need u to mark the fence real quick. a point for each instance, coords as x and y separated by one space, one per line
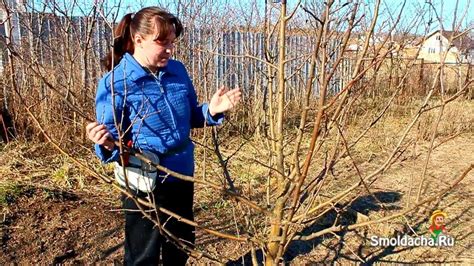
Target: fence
213 57
67 52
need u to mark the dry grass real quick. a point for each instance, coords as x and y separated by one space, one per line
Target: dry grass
36 164
453 151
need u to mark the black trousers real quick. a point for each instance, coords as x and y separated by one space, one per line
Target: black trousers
143 241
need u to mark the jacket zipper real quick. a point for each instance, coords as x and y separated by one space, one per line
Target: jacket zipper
165 96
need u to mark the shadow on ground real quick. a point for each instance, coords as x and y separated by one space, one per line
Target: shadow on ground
382 254
345 215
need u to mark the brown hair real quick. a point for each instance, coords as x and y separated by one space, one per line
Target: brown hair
143 22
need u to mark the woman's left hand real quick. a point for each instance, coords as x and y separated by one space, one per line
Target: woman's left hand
224 100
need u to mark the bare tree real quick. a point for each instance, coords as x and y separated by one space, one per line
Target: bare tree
308 70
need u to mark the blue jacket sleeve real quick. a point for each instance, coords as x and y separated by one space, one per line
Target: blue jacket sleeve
200 113
105 115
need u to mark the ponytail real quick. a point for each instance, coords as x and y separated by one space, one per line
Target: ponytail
123 43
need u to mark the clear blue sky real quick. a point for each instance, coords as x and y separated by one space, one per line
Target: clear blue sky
444 8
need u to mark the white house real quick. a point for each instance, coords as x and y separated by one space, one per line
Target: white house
461 49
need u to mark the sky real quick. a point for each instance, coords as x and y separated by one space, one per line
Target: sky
444 8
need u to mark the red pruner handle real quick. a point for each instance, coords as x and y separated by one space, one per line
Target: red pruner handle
126 155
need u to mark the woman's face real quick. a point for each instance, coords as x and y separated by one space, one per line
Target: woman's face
152 52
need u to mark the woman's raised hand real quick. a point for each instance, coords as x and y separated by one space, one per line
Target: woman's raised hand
224 100
100 135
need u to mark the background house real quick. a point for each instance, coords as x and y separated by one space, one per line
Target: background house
461 49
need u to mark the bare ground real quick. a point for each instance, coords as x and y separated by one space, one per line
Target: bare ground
449 160
44 223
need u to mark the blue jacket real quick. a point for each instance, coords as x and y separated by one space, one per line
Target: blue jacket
156 112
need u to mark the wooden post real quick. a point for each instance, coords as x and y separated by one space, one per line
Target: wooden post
421 82
5 132
469 93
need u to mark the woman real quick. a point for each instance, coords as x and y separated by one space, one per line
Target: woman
150 97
